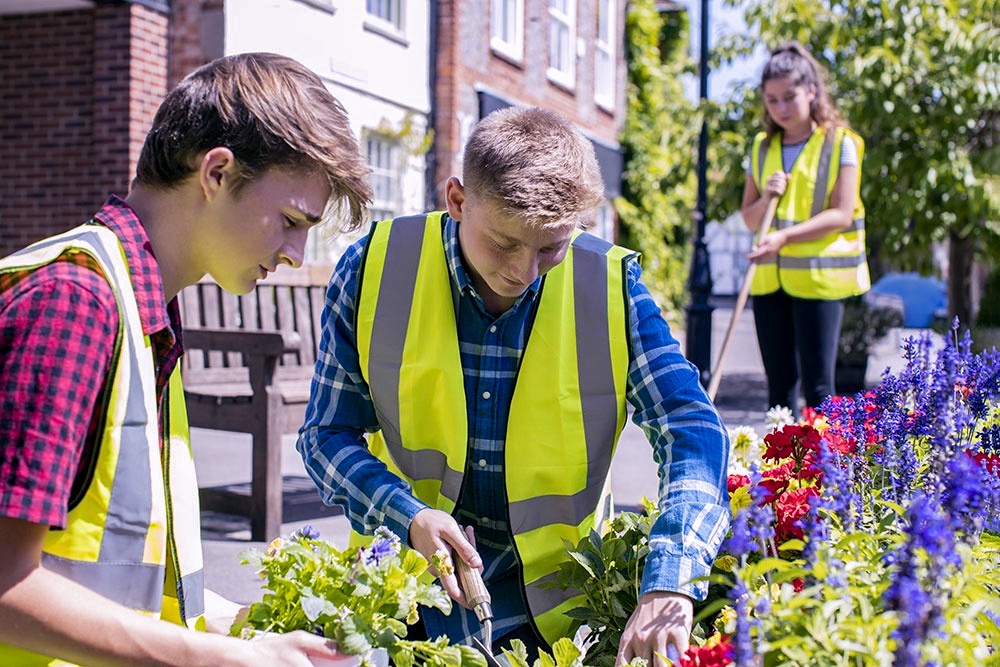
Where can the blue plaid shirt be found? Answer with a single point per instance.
(689, 441)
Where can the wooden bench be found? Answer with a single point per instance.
(247, 368)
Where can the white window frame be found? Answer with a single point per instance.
(385, 175)
(604, 54)
(390, 14)
(604, 221)
(562, 62)
(508, 45)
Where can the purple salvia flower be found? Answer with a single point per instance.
(743, 653)
(753, 527)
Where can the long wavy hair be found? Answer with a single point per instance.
(793, 61)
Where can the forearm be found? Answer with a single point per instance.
(824, 223)
(48, 614)
(753, 212)
(348, 475)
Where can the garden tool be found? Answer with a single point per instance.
(479, 599)
(741, 302)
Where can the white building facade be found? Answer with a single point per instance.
(374, 57)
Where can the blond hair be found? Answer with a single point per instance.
(534, 164)
(272, 113)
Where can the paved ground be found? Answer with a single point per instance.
(224, 459)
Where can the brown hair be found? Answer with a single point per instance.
(272, 113)
(534, 164)
(793, 61)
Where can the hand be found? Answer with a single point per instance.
(776, 184)
(294, 649)
(768, 246)
(661, 623)
(433, 530)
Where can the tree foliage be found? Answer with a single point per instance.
(658, 142)
(919, 81)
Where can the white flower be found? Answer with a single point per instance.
(779, 415)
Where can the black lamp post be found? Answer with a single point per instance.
(698, 344)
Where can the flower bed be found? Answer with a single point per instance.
(864, 535)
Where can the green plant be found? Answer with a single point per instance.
(862, 327)
(989, 305)
(658, 188)
(361, 597)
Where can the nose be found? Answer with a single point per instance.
(293, 251)
(525, 269)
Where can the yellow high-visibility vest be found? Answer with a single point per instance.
(834, 266)
(566, 414)
(134, 536)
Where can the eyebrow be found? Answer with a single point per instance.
(310, 217)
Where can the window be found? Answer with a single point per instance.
(562, 41)
(604, 55)
(390, 11)
(383, 158)
(604, 222)
(507, 28)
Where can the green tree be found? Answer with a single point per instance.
(658, 142)
(919, 81)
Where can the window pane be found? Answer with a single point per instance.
(381, 156)
(387, 10)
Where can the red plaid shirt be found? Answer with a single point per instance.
(57, 333)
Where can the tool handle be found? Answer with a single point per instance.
(472, 584)
(741, 301)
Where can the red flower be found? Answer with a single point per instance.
(715, 655)
(734, 482)
(790, 507)
(988, 462)
(775, 487)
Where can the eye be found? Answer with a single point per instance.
(290, 223)
(504, 248)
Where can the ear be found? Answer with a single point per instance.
(812, 91)
(454, 195)
(217, 167)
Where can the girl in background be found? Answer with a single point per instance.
(814, 255)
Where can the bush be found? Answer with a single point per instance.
(864, 324)
(989, 306)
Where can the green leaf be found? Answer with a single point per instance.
(565, 652)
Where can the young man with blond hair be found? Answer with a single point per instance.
(99, 523)
(474, 372)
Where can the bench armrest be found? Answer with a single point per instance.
(265, 343)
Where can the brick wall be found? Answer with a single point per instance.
(77, 93)
(466, 62)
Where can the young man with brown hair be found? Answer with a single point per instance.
(475, 370)
(99, 524)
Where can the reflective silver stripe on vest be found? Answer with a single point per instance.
(542, 599)
(822, 173)
(600, 407)
(130, 505)
(848, 262)
(135, 585)
(857, 225)
(193, 586)
(392, 316)
(761, 155)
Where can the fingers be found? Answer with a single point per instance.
(436, 535)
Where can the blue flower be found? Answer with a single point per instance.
(385, 545)
(306, 532)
